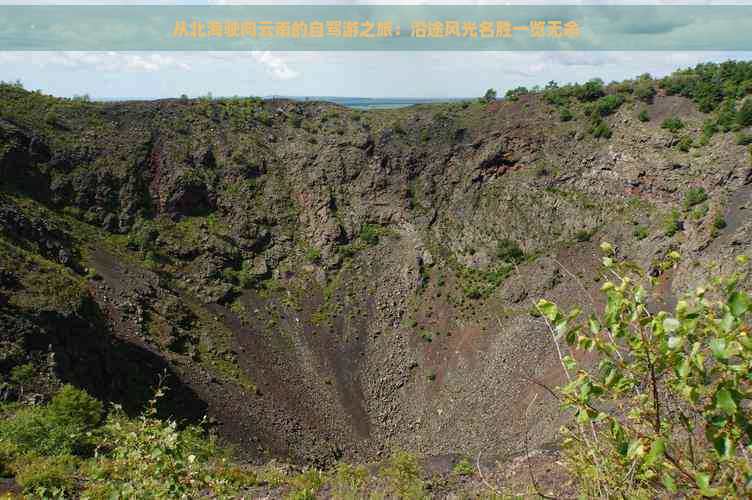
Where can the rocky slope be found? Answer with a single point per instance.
(328, 283)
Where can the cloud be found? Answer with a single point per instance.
(482, 2)
(580, 58)
(92, 2)
(275, 65)
(110, 61)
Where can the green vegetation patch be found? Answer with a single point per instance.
(696, 355)
(673, 124)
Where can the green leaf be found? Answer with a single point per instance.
(671, 324)
(746, 342)
(561, 328)
(640, 295)
(657, 449)
(669, 483)
(549, 310)
(738, 303)
(682, 368)
(702, 480)
(611, 376)
(724, 446)
(595, 327)
(719, 348)
(573, 314)
(571, 335)
(681, 307)
(724, 401)
(636, 449)
(569, 362)
(675, 343)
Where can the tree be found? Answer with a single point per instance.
(644, 90)
(490, 95)
(673, 124)
(514, 94)
(22, 375)
(590, 91)
(663, 411)
(744, 116)
(71, 406)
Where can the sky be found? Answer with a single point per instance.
(351, 74)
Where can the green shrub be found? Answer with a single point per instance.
(22, 375)
(590, 91)
(509, 251)
(640, 233)
(599, 129)
(673, 224)
(699, 212)
(565, 115)
(673, 124)
(349, 481)
(514, 94)
(584, 235)
(143, 236)
(304, 494)
(644, 90)
(684, 144)
(709, 84)
(33, 430)
(489, 96)
(404, 474)
(52, 118)
(71, 406)
(295, 120)
(727, 116)
(47, 477)
(665, 403)
(719, 222)
(151, 458)
(709, 129)
(695, 196)
(142, 457)
(313, 254)
(643, 116)
(61, 428)
(744, 116)
(609, 104)
(8, 454)
(264, 117)
(370, 234)
(743, 139)
(307, 484)
(464, 468)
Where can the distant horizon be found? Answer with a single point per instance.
(345, 75)
(351, 102)
(284, 96)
